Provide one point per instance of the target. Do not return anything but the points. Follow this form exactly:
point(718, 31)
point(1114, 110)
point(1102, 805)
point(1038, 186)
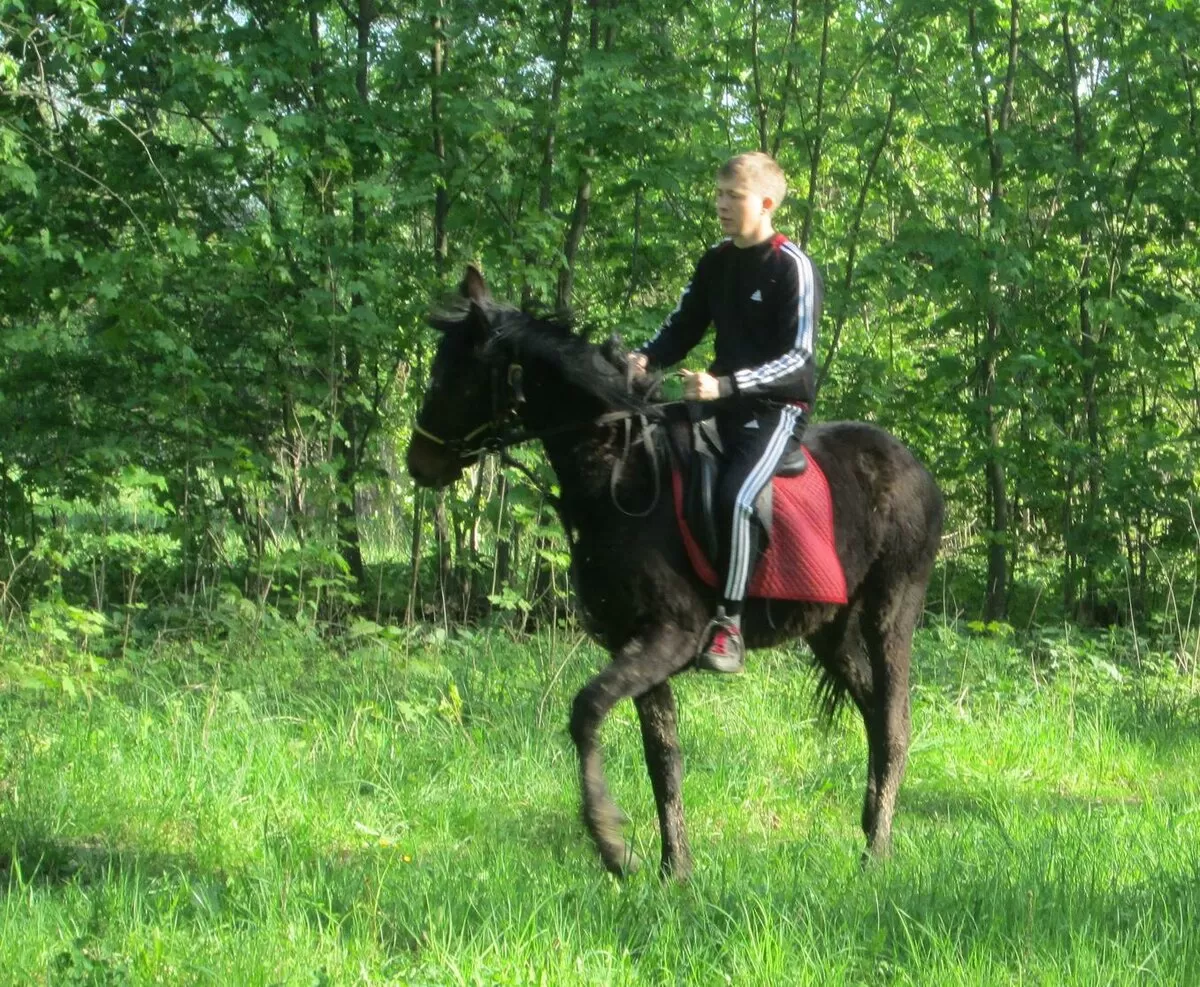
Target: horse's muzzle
point(431, 465)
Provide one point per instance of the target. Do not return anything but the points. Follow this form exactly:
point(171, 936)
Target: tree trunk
point(814, 165)
point(441, 248)
point(843, 302)
point(996, 594)
point(583, 192)
point(350, 443)
point(441, 538)
point(638, 196)
point(414, 579)
point(1087, 345)
point(996, 602)
point(546, 184)
point(579, 216)
point(546, 179)
point(500, 560)
point(441, 203)
point(1070, 561)
point(789, 77)
point(760, 102)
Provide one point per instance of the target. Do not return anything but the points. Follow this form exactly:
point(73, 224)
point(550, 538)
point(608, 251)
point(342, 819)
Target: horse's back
point(873, 457)
point(886, 502)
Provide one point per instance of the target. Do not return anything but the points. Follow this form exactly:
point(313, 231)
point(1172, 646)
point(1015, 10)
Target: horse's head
point(465, 401)
point(476, 388)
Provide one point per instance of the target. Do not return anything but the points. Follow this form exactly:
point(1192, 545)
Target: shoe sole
point(712, 665)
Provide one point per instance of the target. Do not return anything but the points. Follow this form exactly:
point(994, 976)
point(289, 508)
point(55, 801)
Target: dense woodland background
point(223, 224)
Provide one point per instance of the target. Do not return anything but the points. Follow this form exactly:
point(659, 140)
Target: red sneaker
point(724, 650)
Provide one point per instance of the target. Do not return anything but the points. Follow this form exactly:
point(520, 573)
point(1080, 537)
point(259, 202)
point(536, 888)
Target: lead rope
point(647, 441)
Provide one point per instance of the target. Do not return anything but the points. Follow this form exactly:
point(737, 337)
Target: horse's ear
point(478, 323)
point(474, 287)
point(472, 310)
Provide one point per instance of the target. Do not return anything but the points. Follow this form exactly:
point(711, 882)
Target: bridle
point(496, 432)
point(499, 433)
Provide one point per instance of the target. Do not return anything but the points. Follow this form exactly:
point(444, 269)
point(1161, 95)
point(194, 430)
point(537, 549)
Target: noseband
point(495, 434)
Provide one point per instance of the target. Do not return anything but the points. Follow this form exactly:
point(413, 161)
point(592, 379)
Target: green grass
point(273, 811)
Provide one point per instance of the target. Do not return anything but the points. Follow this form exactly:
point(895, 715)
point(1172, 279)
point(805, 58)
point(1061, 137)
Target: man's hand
point(639, 362)
point(700, 387)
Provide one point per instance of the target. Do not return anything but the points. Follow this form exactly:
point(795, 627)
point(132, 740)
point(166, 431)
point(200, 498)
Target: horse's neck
point(565, 413)
point(581, 452)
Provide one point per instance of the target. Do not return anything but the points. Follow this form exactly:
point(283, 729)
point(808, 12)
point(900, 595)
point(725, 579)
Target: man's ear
point(474, 287)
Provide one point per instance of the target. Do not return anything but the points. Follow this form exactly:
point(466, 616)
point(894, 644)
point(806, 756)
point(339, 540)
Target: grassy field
point(273, 810)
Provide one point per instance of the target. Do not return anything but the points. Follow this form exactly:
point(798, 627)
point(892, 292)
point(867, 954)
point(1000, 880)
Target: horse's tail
point(829, 695)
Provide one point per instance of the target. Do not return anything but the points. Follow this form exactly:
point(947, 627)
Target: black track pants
point(754, 444)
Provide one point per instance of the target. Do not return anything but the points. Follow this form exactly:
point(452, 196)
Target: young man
point(763, 294)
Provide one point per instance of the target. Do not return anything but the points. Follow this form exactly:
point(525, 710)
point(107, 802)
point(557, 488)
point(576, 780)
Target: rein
point(501, 441)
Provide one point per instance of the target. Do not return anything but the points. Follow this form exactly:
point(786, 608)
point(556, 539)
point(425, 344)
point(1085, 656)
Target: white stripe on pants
point(743, 512)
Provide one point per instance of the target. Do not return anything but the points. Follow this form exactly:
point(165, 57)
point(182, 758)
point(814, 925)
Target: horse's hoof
point(623, 862)
point(676, 872)
point(874, 856)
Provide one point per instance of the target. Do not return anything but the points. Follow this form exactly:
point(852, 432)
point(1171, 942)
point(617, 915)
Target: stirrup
point(731, 658)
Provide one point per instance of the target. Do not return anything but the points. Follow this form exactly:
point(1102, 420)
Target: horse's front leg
point(640, 665)
point(660, 739)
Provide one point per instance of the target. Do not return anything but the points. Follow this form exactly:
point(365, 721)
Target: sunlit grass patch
point(274, 810)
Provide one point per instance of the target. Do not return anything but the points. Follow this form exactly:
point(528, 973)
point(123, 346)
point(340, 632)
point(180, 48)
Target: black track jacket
point(765, 301)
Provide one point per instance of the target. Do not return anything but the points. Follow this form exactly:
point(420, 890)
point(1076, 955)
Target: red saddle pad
point(800, 562)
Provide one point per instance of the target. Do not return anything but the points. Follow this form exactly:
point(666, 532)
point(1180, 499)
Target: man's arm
point(795, 331)
point(682, 329)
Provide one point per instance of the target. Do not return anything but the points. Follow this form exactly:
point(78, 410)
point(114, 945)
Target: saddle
point(799, 560)
point(705, 462)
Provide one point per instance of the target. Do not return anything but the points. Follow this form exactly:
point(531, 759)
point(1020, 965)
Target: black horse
point(498, 369)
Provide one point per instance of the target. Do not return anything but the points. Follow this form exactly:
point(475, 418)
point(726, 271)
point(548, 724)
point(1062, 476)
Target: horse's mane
point(599, 370)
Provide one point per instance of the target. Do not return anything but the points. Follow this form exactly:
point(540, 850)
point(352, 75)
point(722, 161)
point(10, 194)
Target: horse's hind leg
point(888, 631)
point(660, 739)
point(841, 649)
point(639, 666)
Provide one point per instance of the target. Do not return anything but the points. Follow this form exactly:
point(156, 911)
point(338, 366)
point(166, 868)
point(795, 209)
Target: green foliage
point(61, 649)
point(216, 256)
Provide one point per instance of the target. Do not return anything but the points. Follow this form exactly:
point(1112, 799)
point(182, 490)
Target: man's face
point(741, 208)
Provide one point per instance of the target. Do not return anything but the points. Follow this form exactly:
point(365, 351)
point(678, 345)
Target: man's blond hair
point(759, 171)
